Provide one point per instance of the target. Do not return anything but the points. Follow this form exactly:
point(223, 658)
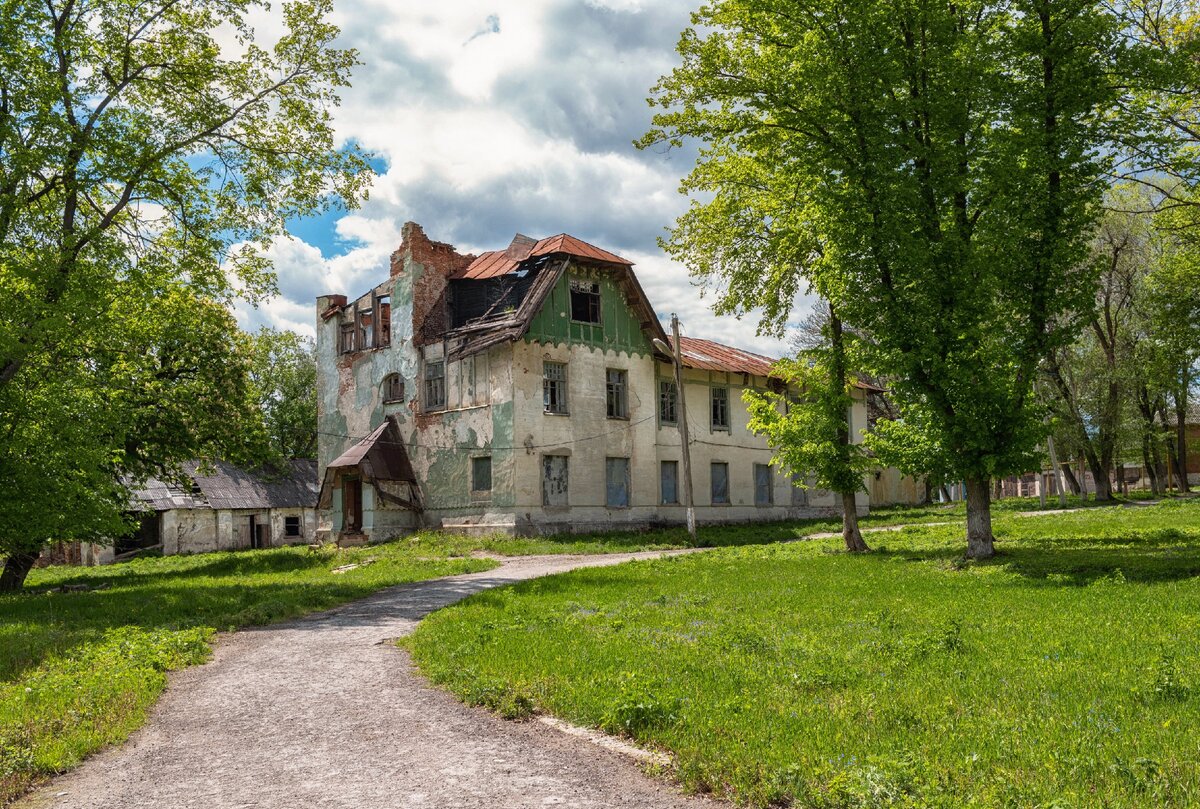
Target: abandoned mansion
point(531, 390)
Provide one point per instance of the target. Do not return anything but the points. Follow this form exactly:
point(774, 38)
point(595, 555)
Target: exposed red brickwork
point(432, 264)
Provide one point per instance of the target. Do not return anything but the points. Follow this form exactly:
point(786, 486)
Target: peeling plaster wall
point(190, 531)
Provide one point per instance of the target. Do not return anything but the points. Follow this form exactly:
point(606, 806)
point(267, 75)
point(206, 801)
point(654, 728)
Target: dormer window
point(585, 301)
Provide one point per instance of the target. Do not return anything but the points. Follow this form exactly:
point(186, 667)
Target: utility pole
point(688, 502)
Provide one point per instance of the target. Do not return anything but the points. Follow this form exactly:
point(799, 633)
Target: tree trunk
point(1181, 439)
point(1100, 474)
point(16, 568)
point(850, 533)
point(1072, 481)
point(979, 520)
point(945, 490)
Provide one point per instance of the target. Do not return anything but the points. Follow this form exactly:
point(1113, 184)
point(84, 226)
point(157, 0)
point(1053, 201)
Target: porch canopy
point(380, 457)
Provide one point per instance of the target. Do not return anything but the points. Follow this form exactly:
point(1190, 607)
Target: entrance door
point(352, 504)
point(260, 533)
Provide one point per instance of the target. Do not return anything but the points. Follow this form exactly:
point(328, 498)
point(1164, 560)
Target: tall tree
point(811, 431)
point(149, 149)
point(284, 375)
point(931, 168)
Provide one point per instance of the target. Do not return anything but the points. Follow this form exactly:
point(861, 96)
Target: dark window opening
point(435, 385)
point(384, 306)
point(351, 504)
point(668, 402)
point(720, 483)
point(669, 482)
point(291, 526)
point(554, 387)
point(720, 408)
point(393, 388)
point(346, 338)
point(481, 474)
point(585, 301)
point(616, 393)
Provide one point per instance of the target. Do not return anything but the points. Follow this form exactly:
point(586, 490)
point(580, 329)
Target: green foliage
point(284, 376)
point(80, 670)
point(152, 151)
point(1061, 674)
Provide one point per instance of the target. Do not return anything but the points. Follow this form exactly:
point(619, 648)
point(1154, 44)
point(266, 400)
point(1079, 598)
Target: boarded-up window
point(481, 474)
point(799, 495)
point(762, 485)
point(435, 385)
point(720, 408)
point(291, 526)
point(554, 387)
point(616, 482)
point(393, 388)
point(616, 393)
point(669, 482)
point(720, 483)
point(668, 402)
point(554, 480)
point(585, 301)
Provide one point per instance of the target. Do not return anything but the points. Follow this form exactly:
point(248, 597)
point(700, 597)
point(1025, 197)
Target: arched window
point(393, 388)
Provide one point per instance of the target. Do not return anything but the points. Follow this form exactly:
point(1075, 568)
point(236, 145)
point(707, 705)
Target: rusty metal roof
point(709, 356)
point(502, 262)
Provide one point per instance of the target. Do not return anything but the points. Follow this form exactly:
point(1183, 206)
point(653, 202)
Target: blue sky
point(489, 118)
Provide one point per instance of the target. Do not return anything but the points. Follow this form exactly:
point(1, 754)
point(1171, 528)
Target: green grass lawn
point(80, 670)
point(1064, 673)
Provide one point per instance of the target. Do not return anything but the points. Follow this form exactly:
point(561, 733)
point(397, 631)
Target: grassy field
point(1064, 673)
point(80, 670)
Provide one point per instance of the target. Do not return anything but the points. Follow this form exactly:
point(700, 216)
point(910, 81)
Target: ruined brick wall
point(430, 265)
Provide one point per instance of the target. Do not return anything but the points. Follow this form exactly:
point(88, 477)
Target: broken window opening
point(481, 474)
point(346, 338)
point(393, 388)
point(366, 328)
point(554, 387)
point(435, 385)
point(384, 305)
point(616, 482)
point(291, 526)
point(720, 408)
point(669, 482)
point(668, 402)
point(554, 480)
point(763, 488)
point(719, 472)
point(616, 394)
point(585, 301)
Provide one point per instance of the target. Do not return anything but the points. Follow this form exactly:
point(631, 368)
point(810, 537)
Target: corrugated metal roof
point(501, 262)
point(709, 356)
point(228, 487)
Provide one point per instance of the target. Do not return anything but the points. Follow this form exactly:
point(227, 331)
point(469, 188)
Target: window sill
point(618, 418)
point(555, 413)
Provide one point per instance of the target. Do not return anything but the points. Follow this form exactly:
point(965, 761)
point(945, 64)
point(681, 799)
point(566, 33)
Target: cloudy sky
point(490, 117)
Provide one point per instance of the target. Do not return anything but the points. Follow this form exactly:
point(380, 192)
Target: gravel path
point(325, 712)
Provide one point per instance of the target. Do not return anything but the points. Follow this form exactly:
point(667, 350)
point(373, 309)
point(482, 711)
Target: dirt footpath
point(325, 712)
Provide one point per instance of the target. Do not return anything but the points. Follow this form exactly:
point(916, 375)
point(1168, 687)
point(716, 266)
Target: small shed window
point(585, 301)
point(669, 482)
point(481, 474)
point(393, 388)
point(668, 402)
point(435, 385)
point(291, 526)
point(720, 408)
point(554, 387)
point(763, 485)
point(616, 393)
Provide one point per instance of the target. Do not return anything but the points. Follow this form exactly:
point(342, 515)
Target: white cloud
point(504, 116)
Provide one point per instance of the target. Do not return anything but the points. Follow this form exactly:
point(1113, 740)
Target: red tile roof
point(501, 262)
point(709, 356)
